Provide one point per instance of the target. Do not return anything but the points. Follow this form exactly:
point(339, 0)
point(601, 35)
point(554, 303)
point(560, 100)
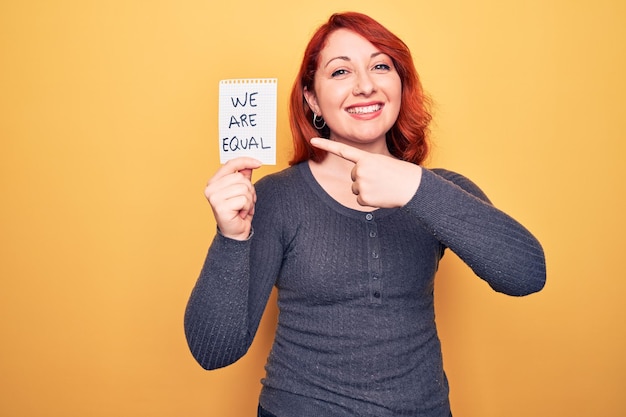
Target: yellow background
point(108, 125)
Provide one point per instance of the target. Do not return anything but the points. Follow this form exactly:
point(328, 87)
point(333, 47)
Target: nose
point(364, 84)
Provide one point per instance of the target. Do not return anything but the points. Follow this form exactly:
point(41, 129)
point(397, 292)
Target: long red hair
point(408, 137)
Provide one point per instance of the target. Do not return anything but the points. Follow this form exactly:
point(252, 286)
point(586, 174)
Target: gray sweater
point(356, 331)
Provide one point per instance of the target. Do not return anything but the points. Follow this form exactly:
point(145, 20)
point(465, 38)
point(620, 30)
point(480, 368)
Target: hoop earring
point(317, 120)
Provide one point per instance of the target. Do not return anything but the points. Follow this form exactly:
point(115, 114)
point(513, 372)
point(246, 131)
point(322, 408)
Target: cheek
point(398, 96)
point(394, 94)
point(331, 99)
point(397, 89)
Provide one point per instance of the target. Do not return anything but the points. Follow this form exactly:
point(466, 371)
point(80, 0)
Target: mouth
point(373, 108)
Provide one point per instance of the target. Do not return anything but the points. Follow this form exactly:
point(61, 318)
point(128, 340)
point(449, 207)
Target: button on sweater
point(356, 332)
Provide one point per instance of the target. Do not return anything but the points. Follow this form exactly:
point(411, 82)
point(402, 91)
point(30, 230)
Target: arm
point(228, 300)
point(497, 248)
point(216, 318)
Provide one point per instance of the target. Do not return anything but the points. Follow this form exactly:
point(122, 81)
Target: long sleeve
point(356, 328)
point(497, 248)
point(230, 295)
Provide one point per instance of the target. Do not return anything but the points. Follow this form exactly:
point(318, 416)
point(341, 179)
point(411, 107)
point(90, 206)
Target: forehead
point(346, 42)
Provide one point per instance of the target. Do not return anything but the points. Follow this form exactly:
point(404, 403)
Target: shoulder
point(282, 187)
point(461, 181)
point(280, 201)
point(278, 179)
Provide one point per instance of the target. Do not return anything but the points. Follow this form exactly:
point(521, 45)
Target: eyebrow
point(346, 58)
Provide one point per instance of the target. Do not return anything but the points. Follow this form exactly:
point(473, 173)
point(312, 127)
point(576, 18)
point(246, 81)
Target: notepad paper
point(247, 119)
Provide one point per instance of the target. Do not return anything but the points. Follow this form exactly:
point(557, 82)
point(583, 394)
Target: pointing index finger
point(340, 149)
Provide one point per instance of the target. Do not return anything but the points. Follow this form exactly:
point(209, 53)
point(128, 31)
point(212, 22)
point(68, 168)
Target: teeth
point(364, 110)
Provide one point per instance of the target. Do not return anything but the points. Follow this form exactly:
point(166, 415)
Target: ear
point(311, 100)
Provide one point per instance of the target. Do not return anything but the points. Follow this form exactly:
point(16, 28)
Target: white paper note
point(247, 119)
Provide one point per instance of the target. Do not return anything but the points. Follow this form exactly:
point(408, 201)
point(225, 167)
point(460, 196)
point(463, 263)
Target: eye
point(339, 73)
point(382, 67)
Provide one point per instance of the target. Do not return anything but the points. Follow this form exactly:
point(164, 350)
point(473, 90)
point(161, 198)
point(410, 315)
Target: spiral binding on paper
point(250, 81)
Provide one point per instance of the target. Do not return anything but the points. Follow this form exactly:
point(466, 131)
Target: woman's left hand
point(377, 180)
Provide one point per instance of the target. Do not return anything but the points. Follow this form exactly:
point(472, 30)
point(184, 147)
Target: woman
point(351, 235)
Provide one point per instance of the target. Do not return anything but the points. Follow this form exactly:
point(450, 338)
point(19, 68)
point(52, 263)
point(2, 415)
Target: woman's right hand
point(232, 197)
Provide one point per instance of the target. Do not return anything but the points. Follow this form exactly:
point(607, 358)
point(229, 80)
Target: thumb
point(247, 172)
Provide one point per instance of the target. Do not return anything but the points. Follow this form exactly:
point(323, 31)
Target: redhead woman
point(351, 235)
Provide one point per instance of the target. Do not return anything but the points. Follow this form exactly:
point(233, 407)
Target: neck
point(375, 146)
point(336, 165)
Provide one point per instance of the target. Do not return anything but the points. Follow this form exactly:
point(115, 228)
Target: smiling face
point(357, 90)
